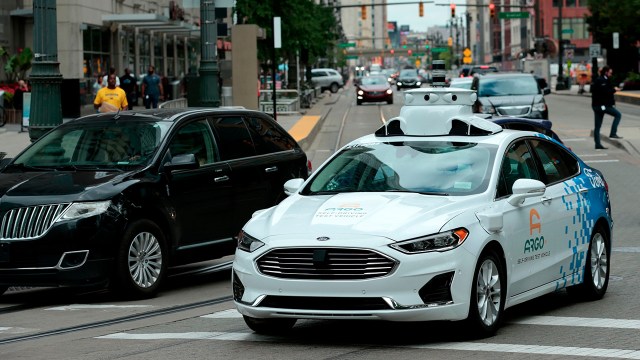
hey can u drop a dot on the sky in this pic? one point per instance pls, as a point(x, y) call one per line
point(407, 14)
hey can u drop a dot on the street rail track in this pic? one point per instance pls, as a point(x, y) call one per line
point(96, 324)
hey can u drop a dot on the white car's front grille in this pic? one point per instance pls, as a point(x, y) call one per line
point(325, 264)
point(29, 222)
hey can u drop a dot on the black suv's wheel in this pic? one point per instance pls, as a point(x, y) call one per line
point(269, 326)
point(334, 87)
point(596, 269)
point(487, 296)
point(141, 261)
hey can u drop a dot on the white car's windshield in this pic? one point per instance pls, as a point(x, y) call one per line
point(437, 167)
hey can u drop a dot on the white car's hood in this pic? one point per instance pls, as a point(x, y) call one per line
point(397, 216)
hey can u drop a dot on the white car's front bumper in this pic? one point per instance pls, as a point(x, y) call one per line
point(395, 297)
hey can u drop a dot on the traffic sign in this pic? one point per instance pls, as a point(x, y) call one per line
point(346, 45)
point(351, 57)
point(439, 49)
point(467, 60)
point(567, 31)
point(594, 50)
point(467, 52)
point(513, 15)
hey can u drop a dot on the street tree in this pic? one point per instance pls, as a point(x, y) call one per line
point(621, 16)
point(308, 30)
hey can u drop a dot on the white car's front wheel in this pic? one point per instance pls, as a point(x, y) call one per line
point(596, 269)
point(487, 295)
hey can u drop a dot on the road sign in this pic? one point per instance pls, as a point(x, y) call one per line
point(569, 46)
point(439, 49)
point(347, 45)
point(513, 15)
point(351, 57)
point(467, 60)
point(567, 31)
point(616, 40)
point(594, 50)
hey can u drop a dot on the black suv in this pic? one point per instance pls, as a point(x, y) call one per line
point(510, 94)
point(114, 199)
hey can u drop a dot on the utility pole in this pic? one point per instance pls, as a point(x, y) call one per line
point(560, 84)
point(46, 107)
point(481, 29)
point(209, 71)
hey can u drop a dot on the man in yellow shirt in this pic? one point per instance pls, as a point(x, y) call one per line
point(111, 98)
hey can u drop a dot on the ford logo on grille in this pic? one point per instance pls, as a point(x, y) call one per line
point(323, 238)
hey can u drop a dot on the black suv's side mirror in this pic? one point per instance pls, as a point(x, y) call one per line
point(182, 162)
point(4, 162)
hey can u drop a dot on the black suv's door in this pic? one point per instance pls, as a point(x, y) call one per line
point(202, 197)
point(250, 190)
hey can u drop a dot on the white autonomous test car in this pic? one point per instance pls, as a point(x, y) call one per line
point(439, 215)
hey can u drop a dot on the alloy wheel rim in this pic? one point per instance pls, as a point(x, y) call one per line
point(488, 292)
point(599, 263)
point(145, 259)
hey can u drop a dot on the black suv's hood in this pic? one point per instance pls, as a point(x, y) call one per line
point(59, 186)
point(511, 100)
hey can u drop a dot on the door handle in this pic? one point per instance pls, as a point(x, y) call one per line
point(221, 179)
point(271, 169)
point(546, 200)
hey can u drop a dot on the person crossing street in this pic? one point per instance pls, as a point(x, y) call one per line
point(603, 102)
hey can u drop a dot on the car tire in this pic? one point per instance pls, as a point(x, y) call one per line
point(141, 261)
point(358, 102)
point(390, 102)
point(334, 88)
point(269, 326)
point(487, 298)
point(596, 269)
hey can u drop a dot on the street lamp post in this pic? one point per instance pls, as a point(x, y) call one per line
point(209, 71)
point(46, 107)
point(560, 83)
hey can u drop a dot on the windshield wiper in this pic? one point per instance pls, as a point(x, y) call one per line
point(419, 192)
point(23, 166)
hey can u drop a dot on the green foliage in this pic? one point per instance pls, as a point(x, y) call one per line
point(633, 76)
point(15, 66)
point(308, 29)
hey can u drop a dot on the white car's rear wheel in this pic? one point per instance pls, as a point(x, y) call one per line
point(269, 326)
point(596, 271)
point(487, 296)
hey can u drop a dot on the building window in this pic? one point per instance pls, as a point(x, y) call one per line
point(570, 3)
point(556, 3)
point(573, 28)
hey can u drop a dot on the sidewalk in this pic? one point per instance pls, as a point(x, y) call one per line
point(303, 127)
point(631, 135)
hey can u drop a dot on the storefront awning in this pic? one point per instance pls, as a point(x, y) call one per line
point(159, 24)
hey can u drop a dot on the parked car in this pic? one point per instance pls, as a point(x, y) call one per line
point(374, 89)
point(542, 126)
point(454, 218)
point(408, 78)
point(327, 79)
point(115, 199)
point(512, 94)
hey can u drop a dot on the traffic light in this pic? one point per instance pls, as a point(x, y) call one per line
point(453, 10)
point(492, 10)
point(421, 9)
point(363, 12)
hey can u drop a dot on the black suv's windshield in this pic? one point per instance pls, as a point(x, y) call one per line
point(426, 167)
point(507, 85)
point(92, 146)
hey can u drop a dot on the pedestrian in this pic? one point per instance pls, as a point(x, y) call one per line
point(97, 85)
point(110, 98)
point(112, 71)
point(152, 89)
point(128, 84)
point(603, 102)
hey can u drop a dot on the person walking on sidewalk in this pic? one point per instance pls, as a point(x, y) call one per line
point(110, 98)
point(152, 89)
point(603, 102)
point(128, 84)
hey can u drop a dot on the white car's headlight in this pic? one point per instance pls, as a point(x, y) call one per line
point(85, 210)
point(248, 243)
point(439, 242)
point(540, 106)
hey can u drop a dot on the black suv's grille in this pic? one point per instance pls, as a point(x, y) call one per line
point(29, 222)
point(325, 264)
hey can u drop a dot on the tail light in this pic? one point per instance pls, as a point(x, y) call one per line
point(309, 167)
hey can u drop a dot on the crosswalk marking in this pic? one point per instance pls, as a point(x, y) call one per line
point(600, 161)
point(579, 321)
point(459, 346)
point(91, 307)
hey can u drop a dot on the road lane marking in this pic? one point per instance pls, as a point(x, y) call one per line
point(225, 314)
point(627, 249)
point(91, 307)
point(574, 139)
point(303, 127)
point(589, 155)
point(600, 161)
point(458, 346)
point(579, 322)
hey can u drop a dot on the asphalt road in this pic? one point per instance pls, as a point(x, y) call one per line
point(193, 318)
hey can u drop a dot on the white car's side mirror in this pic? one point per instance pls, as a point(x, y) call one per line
point(291, 186)
point(525, 188)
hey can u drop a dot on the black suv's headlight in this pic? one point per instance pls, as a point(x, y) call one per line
point(248, 243)
point(439, 242)
point(85, 209)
